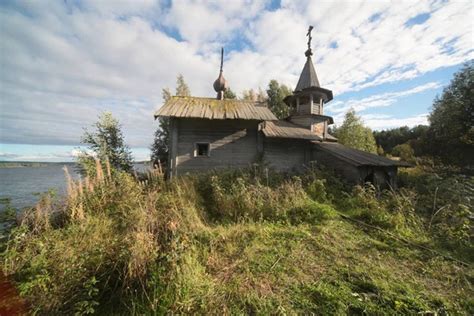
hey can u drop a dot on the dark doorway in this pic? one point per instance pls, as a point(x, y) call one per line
point(370, 178)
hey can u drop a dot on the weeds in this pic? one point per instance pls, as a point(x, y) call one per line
point(233, 242)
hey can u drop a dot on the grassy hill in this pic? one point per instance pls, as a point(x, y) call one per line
point(246, 243)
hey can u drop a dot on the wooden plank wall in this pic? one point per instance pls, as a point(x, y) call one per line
point(317, 125)
point(350, 172)
point(285, 154)
point(233, 144)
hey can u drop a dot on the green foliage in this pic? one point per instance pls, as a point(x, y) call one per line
point(316, 189)
point(106, 143)
point(380, 151)
point(415, 136)
point(160, 147)
point(446, 200)
point(229, 94)
point(237, 242)
point(353, 133)
point(452, 117)
point(276, 93)
point(450, 136)
point(248, 199)
point(404, 151)
point(7, 220)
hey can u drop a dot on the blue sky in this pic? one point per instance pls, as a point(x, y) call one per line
point(64, 62)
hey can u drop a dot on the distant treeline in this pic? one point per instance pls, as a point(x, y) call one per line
point(31, 164)
point(22, 164)
point(449, 137)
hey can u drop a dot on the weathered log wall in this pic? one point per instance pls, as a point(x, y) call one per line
point(233, 143)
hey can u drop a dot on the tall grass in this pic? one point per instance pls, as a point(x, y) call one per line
point(119, 243)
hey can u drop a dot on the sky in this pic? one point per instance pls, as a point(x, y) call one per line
point(64, 62)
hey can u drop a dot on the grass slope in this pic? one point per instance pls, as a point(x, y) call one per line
point(240, 243)
point(328, 269)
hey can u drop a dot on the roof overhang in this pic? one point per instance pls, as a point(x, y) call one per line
point(327, 94)
point(357, 157)
point(320, 116)
point(288, 130)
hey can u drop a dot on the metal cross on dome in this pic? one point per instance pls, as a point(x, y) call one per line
point(309, 36)
point(309, 52)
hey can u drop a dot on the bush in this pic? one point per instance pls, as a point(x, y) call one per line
point(445, 200)
point(317, 190)
point(312, 212)
point(404, 151)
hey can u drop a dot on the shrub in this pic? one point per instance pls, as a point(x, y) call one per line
point(404, 151)
point(317, 190)
point(311, 212)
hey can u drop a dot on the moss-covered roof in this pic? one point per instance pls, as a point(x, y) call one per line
point(211, 108)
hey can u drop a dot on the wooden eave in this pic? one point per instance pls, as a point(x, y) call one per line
point(285, 129)
point(357, 157)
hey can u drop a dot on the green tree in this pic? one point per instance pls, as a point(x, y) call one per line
point(105, 142)
point(380, 151)
point(451, 129)
point(276, 93)
point(404, 151)
point(160, 147)
point(353, 133)
point(229, 94)
point(388, 139)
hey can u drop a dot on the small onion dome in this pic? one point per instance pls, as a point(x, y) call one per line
point(220, 84)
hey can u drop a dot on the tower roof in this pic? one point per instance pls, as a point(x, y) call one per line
point(309, 82)
point(308, 77)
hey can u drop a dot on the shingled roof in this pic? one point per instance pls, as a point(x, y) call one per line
point(358, 158)
point(212, 108)
point(308, 77)
point(285, 129)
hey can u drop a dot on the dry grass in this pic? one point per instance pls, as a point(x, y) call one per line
point(225, 244)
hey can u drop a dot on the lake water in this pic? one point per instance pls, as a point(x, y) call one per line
point(23, 185)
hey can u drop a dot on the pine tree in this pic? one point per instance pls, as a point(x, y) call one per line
point(353, 133)
point(106, 142)
point(160, 147)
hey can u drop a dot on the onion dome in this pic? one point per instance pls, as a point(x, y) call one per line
point(220, 85)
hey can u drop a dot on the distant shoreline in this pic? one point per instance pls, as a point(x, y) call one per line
point(30, 164)
point(35, 164)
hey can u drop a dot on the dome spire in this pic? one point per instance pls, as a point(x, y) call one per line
point(309, 52)
point(220, 85)
point(308, 77)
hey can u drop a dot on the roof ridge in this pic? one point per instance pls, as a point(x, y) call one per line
point(214, 99)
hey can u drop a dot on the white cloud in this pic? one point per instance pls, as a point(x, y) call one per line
point(381, 122)
point(64, 63)
point(382, 100)
point(205, 24)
